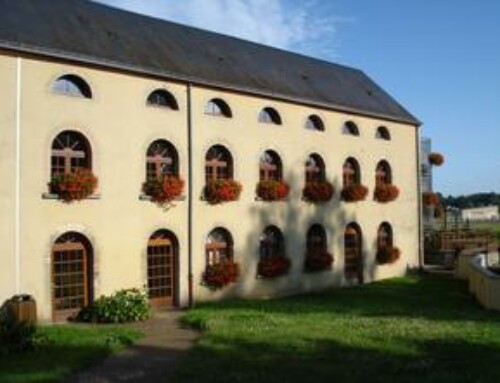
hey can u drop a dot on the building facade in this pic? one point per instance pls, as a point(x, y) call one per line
point(64, 109)
point(426, 167)
point(485, 213)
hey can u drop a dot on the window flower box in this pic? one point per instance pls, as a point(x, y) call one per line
point(222, 191)
point(165, 190)
point(388, 255)
point(318, 261)
point(436, 159)
point(430, 199)
point(221, 274)
point(385, 193)
point(318, 191)
point(354, 193)
point(272, 190)
point(273, 266)
point(74, 186)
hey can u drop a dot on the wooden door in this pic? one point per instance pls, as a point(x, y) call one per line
point(353, 268)
point(161, 271)
point(70, 278)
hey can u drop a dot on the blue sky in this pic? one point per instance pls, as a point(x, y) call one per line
point(439, 58)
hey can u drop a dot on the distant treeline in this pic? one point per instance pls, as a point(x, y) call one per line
point(472, 200)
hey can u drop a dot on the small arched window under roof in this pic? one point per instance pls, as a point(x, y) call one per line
point(383, 133)
point(270, 115)
point(350, 129)
point(314, 122)
point(218, 107)
point(72, 85)
point(163, 99)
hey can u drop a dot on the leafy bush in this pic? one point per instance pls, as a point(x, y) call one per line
point(15, 336)
point(127, 305)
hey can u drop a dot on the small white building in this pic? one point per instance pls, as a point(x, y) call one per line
point(485, 213)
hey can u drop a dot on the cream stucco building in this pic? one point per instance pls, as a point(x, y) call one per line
point(134, 99)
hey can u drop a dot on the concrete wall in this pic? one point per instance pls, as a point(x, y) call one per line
point(484, 284)
point(120, 127)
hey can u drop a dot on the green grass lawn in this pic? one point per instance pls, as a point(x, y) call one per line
point(492, 226)
point(411, 329)
point(63, 350)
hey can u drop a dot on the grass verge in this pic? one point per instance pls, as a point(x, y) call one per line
point(414, 329)
point(64, 350)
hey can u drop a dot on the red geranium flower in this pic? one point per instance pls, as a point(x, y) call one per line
point(318, 191)
point(273, 266)
point(272, 190)
point(354, 193)
point(222, 191)
point(74, 186)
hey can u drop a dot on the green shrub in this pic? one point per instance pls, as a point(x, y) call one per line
point(15, 336)
point(128, 305)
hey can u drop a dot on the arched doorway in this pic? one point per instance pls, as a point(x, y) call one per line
point(162, 265)
point(72, 275)
point(353, 253)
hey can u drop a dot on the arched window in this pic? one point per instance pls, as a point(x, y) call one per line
point(315, 168)
point(350, 129)
point(316, 239)
point(72, 275)
point(384, 236)
point(162, 263)
point(351, 173)
point(314, 122)
point(382, 133)
point(163, 99)
point(70, 151)
point(353, 259)
point(272, 243)
point(72, 85)
point(218, 164)
point(270, 166)
point(219, 246)
point(161, 160)
point(269, 116)
point(383, 173)
point(218, 107)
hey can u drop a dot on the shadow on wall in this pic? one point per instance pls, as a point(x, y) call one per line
point(294, 217)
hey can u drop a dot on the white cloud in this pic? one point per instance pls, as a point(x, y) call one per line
point(285, 24)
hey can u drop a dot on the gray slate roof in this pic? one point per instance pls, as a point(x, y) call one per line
point(93, 33)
